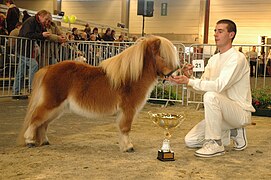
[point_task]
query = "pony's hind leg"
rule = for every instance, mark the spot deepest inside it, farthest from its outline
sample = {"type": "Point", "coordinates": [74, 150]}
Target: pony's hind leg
{"type": "Point", "coordinates": [125, 121]}
{"type": "Point", "coordinates": [36, 131]}
{"type": "Point", "coordinates": [42, 138]}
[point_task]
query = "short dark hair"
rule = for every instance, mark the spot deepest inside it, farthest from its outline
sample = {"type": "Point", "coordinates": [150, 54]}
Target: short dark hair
{"type": "Point", "coordinates": [74, 29]}
{"type": "Point", "coordinates": [95, 29]}
{"type": "Point", "coordinates": [10, 1]}
{"type": "Point", "coordinates": [231, 26]}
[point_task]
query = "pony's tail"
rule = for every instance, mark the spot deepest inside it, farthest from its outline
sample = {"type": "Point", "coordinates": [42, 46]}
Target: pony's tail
{"type": "Point", "coordinates": [33, 102]}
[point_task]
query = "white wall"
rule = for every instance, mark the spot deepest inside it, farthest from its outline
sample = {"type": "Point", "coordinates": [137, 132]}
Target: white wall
{"type": "Point", "coordinates": [253, 18]}
{"type": "Point", "coordinates": [36, 5]}
{"type": "Point", "coordinates": [100, 11]}
{"type": "Point", "coordinates": [182, 19]}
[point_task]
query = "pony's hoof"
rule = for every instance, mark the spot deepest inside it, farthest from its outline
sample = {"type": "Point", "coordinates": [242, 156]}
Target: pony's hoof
{"type": "Point", "coordinates": [30, 145]}
{"type": "Point", "coordinates": [46, 143]}
{"type": "Point", "coordinates": [130, 150]}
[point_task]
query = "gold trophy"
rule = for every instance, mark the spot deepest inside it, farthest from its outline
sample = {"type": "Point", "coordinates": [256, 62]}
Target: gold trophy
{"type": "Point", "coordinates": [167, 121]}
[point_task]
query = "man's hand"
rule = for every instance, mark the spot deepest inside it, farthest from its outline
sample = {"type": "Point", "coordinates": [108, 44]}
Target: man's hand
{"type": "Point", "coordinates": [187, 70]}
{"type": "Point", "coordinates": [179, 79]}
{"type": "Point", "coordinates": [61, 39]}
{"type": "Point", "coordinates": [46, 34]}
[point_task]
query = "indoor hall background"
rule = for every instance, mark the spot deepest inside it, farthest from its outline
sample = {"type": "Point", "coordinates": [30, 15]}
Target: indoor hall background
{"type": "Point", "coordinates": [184, 21]}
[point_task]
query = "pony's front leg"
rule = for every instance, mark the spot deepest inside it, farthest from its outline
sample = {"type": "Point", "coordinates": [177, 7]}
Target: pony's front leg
{"type": "Point", "coordinates": [125, 122]}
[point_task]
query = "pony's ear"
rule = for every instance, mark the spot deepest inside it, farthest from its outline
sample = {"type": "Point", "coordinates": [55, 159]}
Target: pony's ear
{"type": "Point", "coordinates": [156, 46]}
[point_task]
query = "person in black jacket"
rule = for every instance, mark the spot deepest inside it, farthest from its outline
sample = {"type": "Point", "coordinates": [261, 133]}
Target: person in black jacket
{"type": "Point", "coordinates": [13, 15]}
{"type": "Point", "coordinates": [96, 33]}
{"type": "Point", "coordinates": [25, 15]}
{"type": "Point", "coordinates": [32, 28]}
{"type": "Point", "coordinates": [107, 35]}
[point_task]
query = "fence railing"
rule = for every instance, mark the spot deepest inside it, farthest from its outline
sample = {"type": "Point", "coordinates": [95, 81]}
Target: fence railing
{"type": "Point", "coordinates": [15, 63]}
{"type": "Point", "coordinates": [21, 57]}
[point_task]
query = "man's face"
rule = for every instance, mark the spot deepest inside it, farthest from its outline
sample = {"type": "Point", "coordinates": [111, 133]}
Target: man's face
{"type": "Point", "coordinates": [48, 24]}
{"type": "Point", "coordinates": [45, 19]}
{"type": "Point", "coordinates": [222, 36]}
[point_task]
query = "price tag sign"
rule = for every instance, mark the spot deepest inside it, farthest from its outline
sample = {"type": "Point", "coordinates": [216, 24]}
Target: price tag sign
{"type": "Point", "coordinates": [198, 65]}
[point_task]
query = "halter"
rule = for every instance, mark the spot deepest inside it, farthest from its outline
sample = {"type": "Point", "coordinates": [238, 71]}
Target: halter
{"type": "Point", "coordinates": [170, 73]}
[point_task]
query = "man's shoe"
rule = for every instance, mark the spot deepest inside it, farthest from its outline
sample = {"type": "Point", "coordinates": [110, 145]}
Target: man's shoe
{"type": "Point", "coordinates": [240, 140]}
{"type": "Point", "coordinates": [19, 97]}
{"type": "Point", "coordinates": [195, 144]}
{"type": "Point", "coordinates": [210, 149]}
{"type": "Point", "coordinates": [15, 97]}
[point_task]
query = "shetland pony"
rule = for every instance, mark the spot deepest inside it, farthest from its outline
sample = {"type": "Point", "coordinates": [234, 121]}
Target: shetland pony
{"type": "Point", "coordinates": [119, 85]}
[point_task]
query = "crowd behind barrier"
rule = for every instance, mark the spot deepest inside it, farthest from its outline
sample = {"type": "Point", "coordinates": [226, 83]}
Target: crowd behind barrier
{"type": "Point", "coordinates": [67, 26]}
{"type": "Point", "coordinates": [93, 52]}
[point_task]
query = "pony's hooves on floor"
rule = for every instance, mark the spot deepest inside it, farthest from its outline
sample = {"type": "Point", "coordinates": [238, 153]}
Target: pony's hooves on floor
{"type": "Point", "coordinates": [130, 150]}
{"type": "Point", "coordinates": [30, 145]}
{"type": "Point", "coordinates": [45, 143]}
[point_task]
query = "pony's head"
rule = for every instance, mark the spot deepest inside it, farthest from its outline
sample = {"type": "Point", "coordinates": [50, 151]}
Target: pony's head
{"type": "Point", "coordinates": [128, 65]}
{"type": "Point", "coordinates": [164, 53]}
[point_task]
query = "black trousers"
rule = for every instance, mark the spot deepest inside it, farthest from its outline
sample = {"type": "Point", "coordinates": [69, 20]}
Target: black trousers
{"type": "Point", "coordinates": [252, 64]}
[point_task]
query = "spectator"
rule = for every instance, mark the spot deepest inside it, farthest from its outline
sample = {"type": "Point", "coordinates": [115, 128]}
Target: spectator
{"type": "Point", "coordinates": [2, 20]}
{"type": "Point", "coordinates": [15, 33]}
{"type": "Point", "coordinates": [3, 30]}
{"type": "Point", "coordinates": [84, 36]}
{"type": "Point", "coordinates": [75, 33]}
{"type": "Point", "coordinates": [134, 38]}
{"type": "Point", "coordinates": [240, 49]}
{"type": "Point", "coordinates": [96, 33]}
{"type": "Point", "coordinates": [13, 15]}
{"type": "Point", "coordinates": [56, 36]}
{"type": "Point", "coordinates": [25, 16]}
{"type": "Point", "coordinates": [268, 63]}
{"type": "Point", "coordinates": [107, 35]}
{"type": "Point", "coordinates": [33, 28]}
{"type": "Point", "coordinates": [113, 35]}
{"type": "Point", "coordinates": [120, 39]}
{"type": "Point", "coordinates": [87, 30]}
{"type": "Point", "coordinates": [261, 61]}
{"type": "Point", "coordinates": [93, 37]}
{"type": "Point", "coordinates": [252, 57]}
{"type": "Point", "coordinates": [69, 36]}
{"type": "Point", "coordinates": [120, 44]}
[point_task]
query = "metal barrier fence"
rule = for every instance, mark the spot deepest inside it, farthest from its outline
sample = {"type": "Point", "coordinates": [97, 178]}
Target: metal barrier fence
{"type": "Point", "coordinates": [16, 68]}
{"type": "Point", "coordinates": [20, 58]}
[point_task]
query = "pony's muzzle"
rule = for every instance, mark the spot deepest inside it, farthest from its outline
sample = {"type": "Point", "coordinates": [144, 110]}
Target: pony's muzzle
{"type": "Point", "coordinates": [175, 72]}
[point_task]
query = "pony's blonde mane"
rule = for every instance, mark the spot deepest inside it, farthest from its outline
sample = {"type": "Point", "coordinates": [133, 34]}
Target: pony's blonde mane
{"type": "Point", "coordinates": [128, 65]}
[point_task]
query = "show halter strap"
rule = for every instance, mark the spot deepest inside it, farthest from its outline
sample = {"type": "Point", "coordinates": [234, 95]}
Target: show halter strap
{"type": "Point", "coordinates": [170, 73]}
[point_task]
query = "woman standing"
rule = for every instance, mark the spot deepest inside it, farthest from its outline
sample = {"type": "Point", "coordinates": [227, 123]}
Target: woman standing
{"type": "Point", "coordinates": [13, 15]}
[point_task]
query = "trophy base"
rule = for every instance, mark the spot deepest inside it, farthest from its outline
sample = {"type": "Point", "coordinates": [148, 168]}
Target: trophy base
{"type": "Point", "coordinates": [165, 156]}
